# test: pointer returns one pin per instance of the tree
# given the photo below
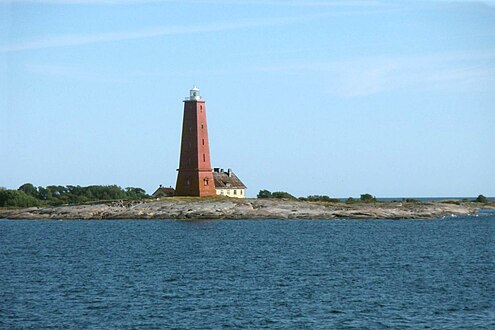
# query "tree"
(481, 199)
(29, 189)
(135, 193)
(57, 195)
(264, 194)
(57, 191)
(44, 194)
(17, 198)
(350, 200)
(367, 198)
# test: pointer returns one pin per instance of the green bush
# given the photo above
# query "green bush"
(264, 194)
(367, 198)
(282, 194)
(276, 194)
(481, 199)
(322, 198)
(17, 198)
(29, 195)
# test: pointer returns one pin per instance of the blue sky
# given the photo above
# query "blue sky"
(392, 98)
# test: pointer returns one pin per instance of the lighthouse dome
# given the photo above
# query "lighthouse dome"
(194, 94)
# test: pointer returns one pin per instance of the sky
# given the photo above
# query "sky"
(315, 97)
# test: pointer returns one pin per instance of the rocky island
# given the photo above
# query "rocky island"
(227, 208)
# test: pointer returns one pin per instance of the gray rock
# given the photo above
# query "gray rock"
(206, 208)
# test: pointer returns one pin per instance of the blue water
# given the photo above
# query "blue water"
(248, 274)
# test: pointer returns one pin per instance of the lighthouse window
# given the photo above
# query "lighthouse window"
(202, 126)
(206, 182)
(203, 141)
(204, 157)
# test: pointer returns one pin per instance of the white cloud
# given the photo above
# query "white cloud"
(444, 71)
(369, 76)
(219, 2)
(286, 3)
(485, 2)
(313, 3)
(73, 40)
(72, 72)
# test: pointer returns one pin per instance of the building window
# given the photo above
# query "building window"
(206, 181)
(235, 192)
(188, 182)
(240, 192)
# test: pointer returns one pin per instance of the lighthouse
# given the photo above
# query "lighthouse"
(195, 177)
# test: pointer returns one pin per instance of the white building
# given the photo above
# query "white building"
(228, 184)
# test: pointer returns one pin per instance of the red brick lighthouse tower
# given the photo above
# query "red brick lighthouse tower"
(195, 176)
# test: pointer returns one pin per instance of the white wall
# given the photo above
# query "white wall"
(236, 193)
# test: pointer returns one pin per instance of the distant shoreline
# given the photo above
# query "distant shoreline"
(183, 208)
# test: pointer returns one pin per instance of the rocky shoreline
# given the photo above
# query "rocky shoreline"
(218, 208)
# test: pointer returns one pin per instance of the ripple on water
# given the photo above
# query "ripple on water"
(248, 274)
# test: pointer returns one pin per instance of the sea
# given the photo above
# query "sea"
(254, 274)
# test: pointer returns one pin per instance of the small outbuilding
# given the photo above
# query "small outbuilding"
(164, 192)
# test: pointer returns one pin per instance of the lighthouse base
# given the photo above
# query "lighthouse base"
(195, 183)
